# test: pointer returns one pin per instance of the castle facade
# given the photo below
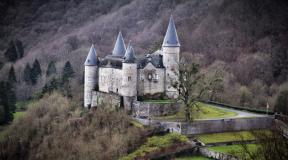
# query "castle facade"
(123, 74)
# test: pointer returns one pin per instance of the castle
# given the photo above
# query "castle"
(123, 74)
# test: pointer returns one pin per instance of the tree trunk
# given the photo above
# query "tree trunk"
(187, 113)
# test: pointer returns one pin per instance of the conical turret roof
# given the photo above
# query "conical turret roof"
(92, 58)
(171, 37)
(119, 48)
(129, 55)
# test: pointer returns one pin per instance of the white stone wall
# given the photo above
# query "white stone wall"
(110, 80)
(151, 80)
(90, 81)
(129, 79)
(171, 63)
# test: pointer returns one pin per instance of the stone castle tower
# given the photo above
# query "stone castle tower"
(91, 75)
(171, 50)
(122, 74)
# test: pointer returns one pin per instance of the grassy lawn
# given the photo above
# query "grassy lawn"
(203, 111)
(192, 158)
(228, 136)
(4, 129)
(160, 101)
(235, 150)
(19, 114)
(21, 106)
(156, 143)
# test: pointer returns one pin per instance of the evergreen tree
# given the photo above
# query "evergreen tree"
(2, 114)
(7, 100)
(51, 86)
(11, 52)
(55, 84)
(68, 71)
(27, 73)
(11, 97)
(66, 89)
(51, 69)
(35, 72)
(37, 68)
(11, 76)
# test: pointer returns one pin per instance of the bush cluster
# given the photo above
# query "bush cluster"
(54, 128)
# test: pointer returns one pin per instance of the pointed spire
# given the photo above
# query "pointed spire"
(171, 37)
(128, 46)
(129, 55)
(119, 48)
(92, 58)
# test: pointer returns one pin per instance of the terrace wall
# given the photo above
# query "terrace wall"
(110, 99)
(227, 125)
(216, 155)
(146, 109)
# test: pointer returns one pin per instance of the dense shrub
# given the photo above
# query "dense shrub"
(54, 128)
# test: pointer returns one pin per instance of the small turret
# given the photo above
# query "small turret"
(91, 75)
(119, 48)
(92, 58)
(171, 50)
(129, 55)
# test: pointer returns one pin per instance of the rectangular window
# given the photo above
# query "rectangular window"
(156, 76)
(149, 76)
(129, 78)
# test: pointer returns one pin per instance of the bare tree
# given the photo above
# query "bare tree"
(192, 85)
(271, 146)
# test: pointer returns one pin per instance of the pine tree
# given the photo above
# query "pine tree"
(68, 71)
(35, 72)
(11, 52)
(2, 114)
(51, 69)
(27, 74)
(37, 68)
(14, 51)
(7, 100)
(11, 76)
(11, 97)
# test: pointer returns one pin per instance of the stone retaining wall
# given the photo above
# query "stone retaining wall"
(213, 126)
(227, 125)
(216, 155)
(146, 109)
(101, 98)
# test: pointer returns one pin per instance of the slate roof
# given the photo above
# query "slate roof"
(119, 48)
(155, 59)
(129, 55)
(92, 58)
(111, 63)
(171, 37)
